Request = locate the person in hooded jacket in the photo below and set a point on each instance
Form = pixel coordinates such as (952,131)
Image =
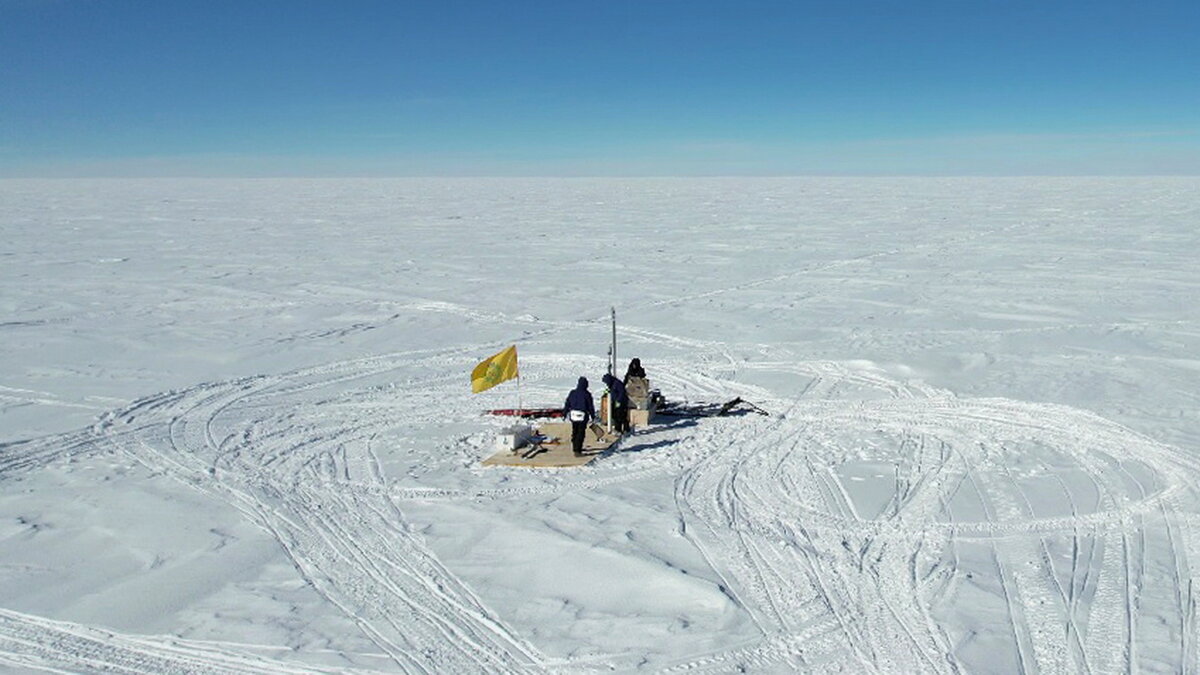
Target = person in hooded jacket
(620,403)
(637,387)
(580,410)
(635,370)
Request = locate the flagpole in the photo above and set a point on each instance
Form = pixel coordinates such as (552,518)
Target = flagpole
(520,409)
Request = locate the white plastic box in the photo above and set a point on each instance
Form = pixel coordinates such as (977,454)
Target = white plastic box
(513,437)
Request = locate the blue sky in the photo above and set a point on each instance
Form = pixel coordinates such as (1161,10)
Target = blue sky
(451,87)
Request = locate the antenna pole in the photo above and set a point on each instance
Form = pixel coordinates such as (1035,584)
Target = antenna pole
(612,368)
(613,364)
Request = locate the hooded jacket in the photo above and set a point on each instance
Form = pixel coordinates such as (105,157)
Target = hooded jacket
(617,389)
(635,370)
(580,399)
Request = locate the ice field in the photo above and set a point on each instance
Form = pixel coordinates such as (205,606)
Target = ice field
(237,432)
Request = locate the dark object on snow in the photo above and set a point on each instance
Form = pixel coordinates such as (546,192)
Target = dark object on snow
(617,390)
(620,403)
(580,410)
(635,370)
(537,445)
(580,399)
(708,409)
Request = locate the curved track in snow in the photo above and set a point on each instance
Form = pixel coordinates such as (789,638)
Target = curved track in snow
(852,524)
(58,646)
(849,516)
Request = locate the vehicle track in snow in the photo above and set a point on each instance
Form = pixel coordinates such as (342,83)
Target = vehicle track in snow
(36,643)
(293,453)
(776,494)
(837,522)
(266,446)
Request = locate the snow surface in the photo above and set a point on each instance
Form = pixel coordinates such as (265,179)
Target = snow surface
(237,434)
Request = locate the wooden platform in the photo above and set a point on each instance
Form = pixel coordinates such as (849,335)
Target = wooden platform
(555,454)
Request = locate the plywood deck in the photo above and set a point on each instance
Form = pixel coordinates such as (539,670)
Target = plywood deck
(555,454)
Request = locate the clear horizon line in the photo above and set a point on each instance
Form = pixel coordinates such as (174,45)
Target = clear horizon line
(352,176)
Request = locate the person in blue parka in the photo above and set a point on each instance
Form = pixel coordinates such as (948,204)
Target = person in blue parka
(620,403)
(579,410)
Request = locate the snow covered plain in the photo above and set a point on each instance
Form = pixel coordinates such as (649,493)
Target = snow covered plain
(236,433)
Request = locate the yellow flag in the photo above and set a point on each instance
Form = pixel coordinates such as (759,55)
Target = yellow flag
(494,370)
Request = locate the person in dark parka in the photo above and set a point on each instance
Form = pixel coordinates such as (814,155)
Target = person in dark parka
(620,403)
(580,410)
(635,370)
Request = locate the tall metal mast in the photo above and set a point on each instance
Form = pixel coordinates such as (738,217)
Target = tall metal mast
(612,367)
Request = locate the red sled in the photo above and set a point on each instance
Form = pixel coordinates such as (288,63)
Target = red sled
(527,413)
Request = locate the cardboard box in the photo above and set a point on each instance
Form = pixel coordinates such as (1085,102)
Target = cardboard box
(637,418)
(640,418)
